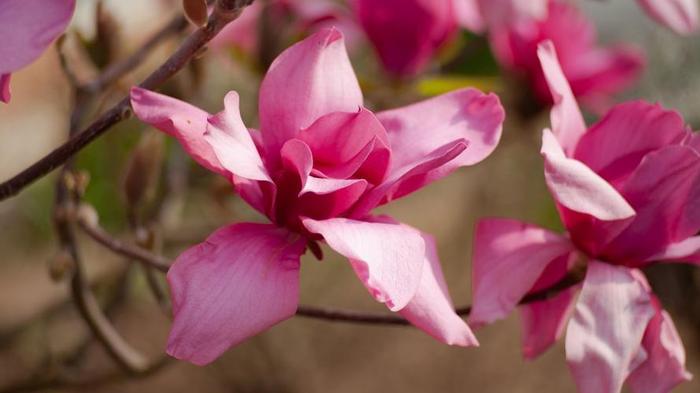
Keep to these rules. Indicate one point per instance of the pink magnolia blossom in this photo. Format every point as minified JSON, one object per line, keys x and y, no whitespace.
{"x":628,"y":193}
{"x":27,"y":28}
{"x":594,"y":73}
{"x":319,"y":164}
{"x":681,"y":16}
{"x":481,"y":15}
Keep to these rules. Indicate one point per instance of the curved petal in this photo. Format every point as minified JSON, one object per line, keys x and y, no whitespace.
{"x":509,"y":257}
{"x":544,"y":322}
{"x":388,"y":258}
{"x":687,"y":250}
{"x":241,"y":281}
{"x":679,"y":15}
{"x":28,"y":27}
{"x":323,"y":198}
{"x":180,"y":120}
{"x":615,"y":146}
{"x":605,"y":333}
{"x":469,"y":15}
{"x":5,"y":88}
{"x":577,"y":187}
{"x":431,"y":308}
{"x":232,"y":144}
{"x":664,"y":191}
{"x":664,"y":367}
{"x":566,"y":118}
{"x":308,"y":80}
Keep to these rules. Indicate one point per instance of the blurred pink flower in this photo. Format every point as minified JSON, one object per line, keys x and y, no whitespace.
{"x":27,"y":28}
{"x":627,"y":190}
{"x":481,"y":15}
{"x":319,"y":164}
{"x":595,"y":73}
{"x":681,"y":16}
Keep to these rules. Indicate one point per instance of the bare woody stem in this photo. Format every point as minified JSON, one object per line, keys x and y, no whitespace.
{"x":225,"y":11}
{"x":101,"y":236}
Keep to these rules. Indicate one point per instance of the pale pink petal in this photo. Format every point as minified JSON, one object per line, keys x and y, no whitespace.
{"x":577,"y":187}
{"x":406,"y":33}
{"x":615,"y":145}
{"x":28,"y":27}
{"x":241,"y":281}
{"x":431,"y":309}
{"x":232,"y":144}
{"x":388,"y":258}
{"x":502,"y":13}
{"x":308,"y":80}
{"x":687,"y":250}
{"x":679,"y":15}
{"x":544,"y":322}
{"x":509,"y":257}
{"x":664,"y":367}
{"x":605,"y":333}
{"x":242,"y":33}
{"x":5,"y":87}
{"x":180,"y":120}
{"x":566,"y":118}
{"x":469,"y":15}
{"x":664,"y":191}
{"x":341,"y":142}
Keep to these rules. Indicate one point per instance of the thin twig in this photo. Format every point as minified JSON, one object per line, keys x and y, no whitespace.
{"x":225,"y":12}
{"x":328,"y":314}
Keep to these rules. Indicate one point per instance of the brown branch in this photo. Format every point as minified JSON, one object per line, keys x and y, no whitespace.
{"x":225,"y":11}
{"x":328,"y":314}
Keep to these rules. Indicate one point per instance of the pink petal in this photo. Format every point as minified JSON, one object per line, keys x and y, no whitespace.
{"x":406,"y":33}
{"x":543,"y":322}
{"x":509,"y":257}
{"x":232,"y":144}
{"x":308,"y":80}
{"x":566,"y":118}
{"x":687,"y":250}
{"x":241,"y":281}
{"x":180,"y":120}
{"x":469,"y":15}
{"x":431,"y":308}
{"x":5,"y":87}
{"x":664,"y":367}
{"x":341,"y":142}
{"x":577,"y":187}
{"x":325,"y":198}
{"x":606,"y":330}
{"x":615,"y":145}
{"x":388,"y":258}
{"x":679,"y":15}
{"x":28,"y":27}
{"x":664,"y":191}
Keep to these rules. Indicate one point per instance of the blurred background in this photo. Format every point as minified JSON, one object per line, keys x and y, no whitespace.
{"x":172,"y":204}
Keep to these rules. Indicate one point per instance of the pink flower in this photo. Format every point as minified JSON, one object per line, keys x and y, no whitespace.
{"x":319,"y":164}
{"x":480,"y":15}
{"x":594,"y":73}
{"x":681,"y":16}
{"x":407,"y":33}
{"x":628,"y":192}
{"x":28,"y":27}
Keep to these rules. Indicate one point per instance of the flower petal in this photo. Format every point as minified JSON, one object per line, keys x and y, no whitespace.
{"x":469,"y":15}
{"x":431,"y":308}
{"x":241,"y":281}
{"x":308,"y":80}
{"x":388,"y":258}
{"x":664,"y":191}
{"x":509,"y":257}
{"x":566,"y":118}
{"x":615,"y":145}
{"x":180,"y":120}
{"x":323,"y":198}
{"x":544,"y":322}
{"x":232,"y":144}
{"x":606,"y":330}
{"x":687,"y":250}
{"x":28,"y":27}
{"x":679,"y":15}
{"x":5,"y":87}
{"x":664,"y":367}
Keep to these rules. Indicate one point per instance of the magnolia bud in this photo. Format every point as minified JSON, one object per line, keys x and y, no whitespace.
{"x":143,"y":170}
{"x":61,"y":264}
{"x":196,"y":11}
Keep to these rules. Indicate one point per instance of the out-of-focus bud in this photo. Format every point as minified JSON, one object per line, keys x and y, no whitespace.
{"x":196,"y":11}
{"x":143,"y":170}
{"x":60,"y":265}
{"x":88,"y":215}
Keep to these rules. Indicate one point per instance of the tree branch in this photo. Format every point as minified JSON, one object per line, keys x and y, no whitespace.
{"x":225,"y":11}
